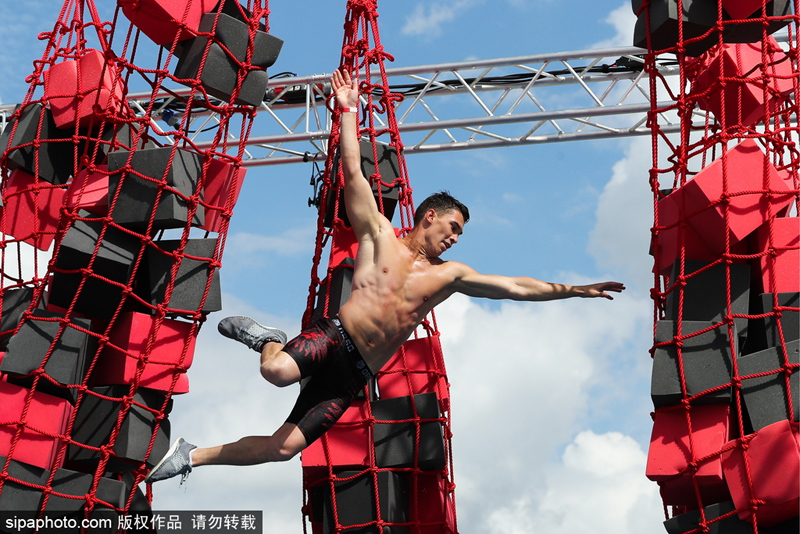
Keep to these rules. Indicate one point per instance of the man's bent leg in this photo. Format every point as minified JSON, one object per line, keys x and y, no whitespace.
{"x":277,"y":367}
{"x":283,"y":445}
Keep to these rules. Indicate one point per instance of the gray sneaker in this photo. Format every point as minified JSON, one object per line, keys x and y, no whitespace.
{"x":249,"y":332}
{"x":175,"y":462}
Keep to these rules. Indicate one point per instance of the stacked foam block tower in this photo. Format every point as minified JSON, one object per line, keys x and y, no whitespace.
{"x":728,"y":342}
{"x":92,"y":352}
{"x":725,"y":449}
{"x":385,"y":459}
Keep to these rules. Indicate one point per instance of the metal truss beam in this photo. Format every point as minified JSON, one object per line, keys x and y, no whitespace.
{"x":543,"y":98}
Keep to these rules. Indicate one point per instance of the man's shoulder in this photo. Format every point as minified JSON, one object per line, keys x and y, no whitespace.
{"x":452,"y":269}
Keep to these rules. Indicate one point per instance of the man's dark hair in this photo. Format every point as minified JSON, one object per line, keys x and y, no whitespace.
{"x":440,"y":202}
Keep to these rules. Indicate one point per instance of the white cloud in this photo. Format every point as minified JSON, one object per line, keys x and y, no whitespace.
{"x":427,"y":19}
{"x":620,"y":239}
{"x":293,"y":241}
{"x":623,"y":20}
{"x":23,"y":261}
{"x":598,"y":486}
{"x":522,"y":378}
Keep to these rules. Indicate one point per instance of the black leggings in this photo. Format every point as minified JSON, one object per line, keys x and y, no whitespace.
{"x":325,"y":353}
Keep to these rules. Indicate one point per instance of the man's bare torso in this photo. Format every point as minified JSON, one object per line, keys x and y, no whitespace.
{"x":394,"y":288}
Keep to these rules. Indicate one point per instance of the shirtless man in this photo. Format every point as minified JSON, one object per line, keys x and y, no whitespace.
{"x":396,"y":282}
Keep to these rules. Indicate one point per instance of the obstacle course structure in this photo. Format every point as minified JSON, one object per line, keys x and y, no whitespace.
{"x":112,"y":239}
{"x":726,"y":244}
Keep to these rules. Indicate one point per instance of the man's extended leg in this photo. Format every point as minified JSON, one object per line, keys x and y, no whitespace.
{"x":182,"y":457}
{"x":283,"y":445}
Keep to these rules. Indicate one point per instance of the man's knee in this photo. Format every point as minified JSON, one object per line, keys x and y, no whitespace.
{"x":287,"y":448}
{"x":280,"y":370}
{"x":287,"y":452}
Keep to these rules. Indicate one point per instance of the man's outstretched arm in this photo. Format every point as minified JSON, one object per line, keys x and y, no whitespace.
{"x":358,"y":197}
{"x":470,"y":282}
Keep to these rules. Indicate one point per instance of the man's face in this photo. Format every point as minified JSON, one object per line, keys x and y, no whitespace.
{"x":444,"y":231}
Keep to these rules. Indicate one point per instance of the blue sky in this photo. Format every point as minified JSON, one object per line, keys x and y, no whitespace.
{"x":550,"y":401}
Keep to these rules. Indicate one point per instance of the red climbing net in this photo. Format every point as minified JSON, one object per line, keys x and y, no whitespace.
{"x":113,"y":229}
{"x":387,"y":462}
{"x":726,"y":234}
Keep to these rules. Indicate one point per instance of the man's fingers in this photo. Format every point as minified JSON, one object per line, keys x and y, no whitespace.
{"x":336,"y":80}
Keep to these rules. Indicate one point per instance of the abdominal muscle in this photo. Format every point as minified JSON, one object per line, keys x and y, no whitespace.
{"x":377,"y":329}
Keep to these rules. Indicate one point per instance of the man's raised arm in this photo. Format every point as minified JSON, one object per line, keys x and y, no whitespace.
{"x":358,"y":197}
{"x":470,"y":282}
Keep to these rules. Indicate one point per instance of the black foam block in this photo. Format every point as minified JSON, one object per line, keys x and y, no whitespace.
{"x":707,"y":363}
{"x":96,"y":419}
{"x":336,"y":288}
{"x":234,"y":9}
{"x":71,"y":355}
{"x":114,"y":137}
{"x":77,"y":484}
{"x":766,"y":397}
{"x":388,"y":169}
{"x":751,"y":32}
{"x":138,"y":196}
{"x":705,"y":294}
{"x":356,"y":502}
{"x":139,"y":504}
{"x":16,"y":497}
{"x":698,"y":16}
{"x":234,"y":34}
{"x":792,"y":526}
{"x":190,"y":281}
{"x":15,"y":301}
{"x":691,"y":521}
{"x":219,"y":74}
{"x":114,"y":261}
{"x":764,"y":330}
{"x":55,"y":154}
{"x":395,"y":443}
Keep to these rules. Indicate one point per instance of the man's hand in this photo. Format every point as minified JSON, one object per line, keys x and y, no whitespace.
{"x":600,"y":290}
{"x":346,"y":91}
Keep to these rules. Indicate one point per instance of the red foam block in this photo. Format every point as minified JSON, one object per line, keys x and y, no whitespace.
{"x":348,"y":443}
{"x":741,"y":9}
{"x":30,"y":209}
{"x":748,"y":172}
{"x":164,"y":20}
{"x":78,"y":89}
{"x":742,"y":99}
{"x":220,"y":178}
{"x":418,"y":367}
{"x":89,"y":191}
{"x":432,"y":503}
{"x":344,"y":244}
{"x":786,"y":264}
{"x":46,"y":415}
{"x":673,"y":238}
{"x":773,"y":462}
{"x":671,"y":452}
{"x":131,"y":333}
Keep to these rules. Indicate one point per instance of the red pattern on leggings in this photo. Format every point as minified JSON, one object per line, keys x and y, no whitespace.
{"x":322,"y":355}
